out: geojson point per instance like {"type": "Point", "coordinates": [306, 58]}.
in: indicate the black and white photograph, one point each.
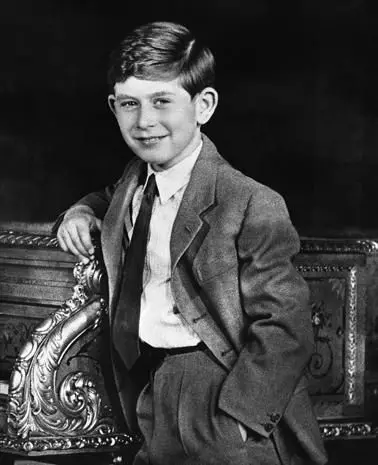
{"type": "Point", "coordinates": [188, 237]}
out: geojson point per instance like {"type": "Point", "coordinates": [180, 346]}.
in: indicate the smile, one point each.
{"type": "Point", "coordinates": [150, 140]}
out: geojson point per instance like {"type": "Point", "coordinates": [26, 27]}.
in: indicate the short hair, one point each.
{"type": "Point", "coordinates": [163, 51]}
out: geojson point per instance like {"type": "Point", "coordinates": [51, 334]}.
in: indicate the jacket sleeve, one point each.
{"type": "Point", "coordinates": [278, 335]}
{"type": "Point", "coordinates": [98, 202]}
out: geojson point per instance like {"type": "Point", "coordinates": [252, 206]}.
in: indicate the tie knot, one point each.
{"type": "Point", "coordinates": [151, 190]}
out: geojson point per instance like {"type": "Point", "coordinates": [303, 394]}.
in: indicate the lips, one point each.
{"type": "Point", "coordinates": [150, 140]}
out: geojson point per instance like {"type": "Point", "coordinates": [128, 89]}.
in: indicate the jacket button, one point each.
{"type": "Point", "coordinates": [268, 427]}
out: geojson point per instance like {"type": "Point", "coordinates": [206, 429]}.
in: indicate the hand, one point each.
{"type": "Point", "coordinates": [74, 233]}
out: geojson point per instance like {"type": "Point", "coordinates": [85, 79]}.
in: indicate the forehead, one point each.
{"type": "Point", "coordinates": [140, 88]}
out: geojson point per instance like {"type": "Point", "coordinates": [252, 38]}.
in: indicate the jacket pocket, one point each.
{"type": "Point", "coordinates": [205, 271]}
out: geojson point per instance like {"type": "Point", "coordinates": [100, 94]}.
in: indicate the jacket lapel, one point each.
{"type": "Point", "coordinates": [193, 221]}
{"type": "Point", "coordinates": [198, 199]}
{"type": "Point", "coordinates": [113, 231]}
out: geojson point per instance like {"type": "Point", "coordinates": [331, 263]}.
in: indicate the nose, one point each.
{"type": "Point", "coordinates": [146, 117]}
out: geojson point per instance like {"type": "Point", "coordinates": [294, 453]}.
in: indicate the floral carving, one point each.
{"type": "Point", "coordinates": [37, 406]}
{"type": "Point", "coordinates": [322, 357]}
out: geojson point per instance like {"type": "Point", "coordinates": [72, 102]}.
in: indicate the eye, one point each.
{"type": "Point", "coordinates": [161, 102]}
{"type": "Point", "coordinates": [128, 104]}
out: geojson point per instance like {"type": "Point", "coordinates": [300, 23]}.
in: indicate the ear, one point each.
{"type": "Point", "coordinates": [111, 103]}
{"type": "Point", "coordinates": [206, 103]}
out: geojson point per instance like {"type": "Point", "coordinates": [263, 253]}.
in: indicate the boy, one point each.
{"type": "Point", "coordinates": [202, 292]}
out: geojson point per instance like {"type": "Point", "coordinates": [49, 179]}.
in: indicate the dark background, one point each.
{"type": "Point", "coordinates": [298, 101]}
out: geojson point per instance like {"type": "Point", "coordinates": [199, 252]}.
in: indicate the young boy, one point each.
{"type": "Point", "coordinates": [209, 303]}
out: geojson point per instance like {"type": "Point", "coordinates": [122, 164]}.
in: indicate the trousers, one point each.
{"type": "Point", "coordinates": [182, 425]}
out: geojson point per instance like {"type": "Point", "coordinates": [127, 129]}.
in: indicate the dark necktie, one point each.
{"type": "Point", "coordinates": [126, 318]}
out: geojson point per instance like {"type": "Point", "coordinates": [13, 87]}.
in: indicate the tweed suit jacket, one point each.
{"type": "Point", "coordinates": [233, 282]}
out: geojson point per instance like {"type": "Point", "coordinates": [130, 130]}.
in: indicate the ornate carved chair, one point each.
{"type": "Point", "coordinates": [343, 372]}
{"type": "Point", "coordinates": [60, 389]}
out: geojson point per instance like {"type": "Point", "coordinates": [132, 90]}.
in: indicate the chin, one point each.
{"type": "Point", "coordinates": [152, 159]}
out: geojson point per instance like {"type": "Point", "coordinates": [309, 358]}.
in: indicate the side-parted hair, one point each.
{"type": "Point", "coordinates": [163, 51]}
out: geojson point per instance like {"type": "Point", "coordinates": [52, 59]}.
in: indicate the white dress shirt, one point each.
{"type": "Point", "coordinates": [160, 325]}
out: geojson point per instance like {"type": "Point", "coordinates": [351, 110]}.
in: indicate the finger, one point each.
{"type": "Point", "coordinates": [69, 244]}
{"type": "Point", "coordinates": [86, 239]}
{"type": "Point", "coordinates": [81, 240]}
{"type": "Point", "coordinates": [67, 237]}
{"type": "Point", "coordinates": [61, 241]}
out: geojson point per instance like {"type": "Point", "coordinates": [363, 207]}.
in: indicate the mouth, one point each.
{"type": "Point", "coordinates": [150, 140]}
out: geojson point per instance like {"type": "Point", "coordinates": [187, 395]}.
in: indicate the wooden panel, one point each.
{"type": "Point", "coordinates": [35, 279]}
{"type": "Point", "coordinates": [342, 277]}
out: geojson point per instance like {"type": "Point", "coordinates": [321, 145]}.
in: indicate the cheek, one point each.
{"type": "Point", "coordinates": [125, 123]}
{"type": "Point", "coordinates": [183, 122]}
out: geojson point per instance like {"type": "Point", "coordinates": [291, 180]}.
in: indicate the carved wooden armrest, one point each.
{"type": "Point", "coordinates": [58, 398]}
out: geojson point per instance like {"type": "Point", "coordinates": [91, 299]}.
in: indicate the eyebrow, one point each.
{"type": "Point", "coordinates": [161, 93]}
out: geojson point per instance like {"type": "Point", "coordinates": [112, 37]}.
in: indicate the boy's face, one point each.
{"type": "Point", "coordinates": [159, 120]}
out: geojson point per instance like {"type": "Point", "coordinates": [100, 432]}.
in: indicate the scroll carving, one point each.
{"type": "Point", "coordinates": [37, 405]}
{"type": "Point", "coordinates": [321, 360]}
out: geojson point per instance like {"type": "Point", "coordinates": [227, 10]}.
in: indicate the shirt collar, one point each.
{"type": "Point", "coordinates": [173, 179]}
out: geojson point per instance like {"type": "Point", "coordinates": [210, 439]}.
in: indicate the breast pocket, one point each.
{"type": "Point", "coordinates": [207, 270]}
